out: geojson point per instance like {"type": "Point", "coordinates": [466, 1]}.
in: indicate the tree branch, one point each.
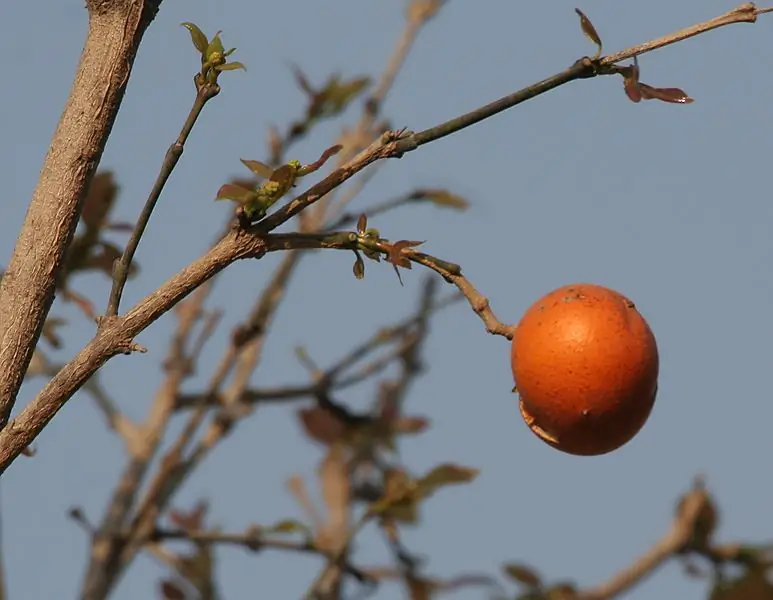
{"type": "Point", "coordinates": [27, 289]}
{"type": "Point", "coordinates": [116, 334]}
{"type": "Point", "coordinates": [673, 541]}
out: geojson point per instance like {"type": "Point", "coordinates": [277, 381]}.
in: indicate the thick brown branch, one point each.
{"type": "Point", "coordinates": [115, 337]}
{"type": "Point", "coordinates": [27, 289]}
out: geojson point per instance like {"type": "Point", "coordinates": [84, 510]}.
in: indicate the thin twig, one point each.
{"type": "Point", "coordinates": [335, 560]}
{"type": "Point", "coordinates": [332, 377]}
{"type": "Point", "coordinates": [251, 540]}
{"type": "Point", "coordinates": [745, 13]}
{"type": "Point", "coordinates": [121, 267]}
{"type": "Point", "coordinates": [106, 546]}
{"type": "Point", "coordinates": [449, 271]}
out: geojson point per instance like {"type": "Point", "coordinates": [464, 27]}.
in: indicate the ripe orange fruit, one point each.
{"type": "Point", "coordinates": [585, 365]}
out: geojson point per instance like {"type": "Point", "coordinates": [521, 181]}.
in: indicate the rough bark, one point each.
{"type": "Point", "coordinates": [28, 286]}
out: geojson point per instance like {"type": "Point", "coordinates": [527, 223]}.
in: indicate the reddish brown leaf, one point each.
{"type": "Point", "coordinates": [362, 224]}
{"type": "Point", "coordinates": [321, 425]}
{"type": "Point", "coordinates": [171, 591]}
{"type": "Point", "coordinates": [673, 95]}
{"type": "Point", "coordinates": [590, 31]}
{"type": "Point", "coordinates": [396, 257]}
{"type": "Point", "coordinates": [632, 90]}
{"type": "Point", "coordinates": [99, 200]}
{"type": "Point", "coordinates": [302, 81]}
{"type": "Point", "coordinates": [410, 425]}
{"type": "Point", "coordinates": [332, 151]}
{"type": "Point", "coordinates": [192, 520]}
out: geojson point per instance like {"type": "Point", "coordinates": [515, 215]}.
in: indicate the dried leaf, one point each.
{"type": "Point", "coordinates": [100, 199]}
{"type": "Point", "coordinates": [524, 575]}
{"type": "Point", "coordinates": [396, 257]}
{"type": "Point", "coordinates": [410, 425]}
{"type": "Point", "coordinates": [192, 520]}
{"type": "Point", "coordinates": [443, 475]}
{"type": "Point", "coordinates": [419, 588]}
{"type": "Point", "coordinates": [334, 480]}
{"type": "Point", "coordinates": [561, 591]}
{"type": "Point", "coordinates": [322, 425]}
{"type": "Point", "coordinates": [302, 81]}
{"type": "Point", "coordinates": [171, 591]}
{"type": "Point", "coordinates": [590, 31]}
{"type": "Point", "coordinates": [442, 198]}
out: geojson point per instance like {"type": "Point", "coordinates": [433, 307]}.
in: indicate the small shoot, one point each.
{"type": "Point", "coordinates": [590, 32]}
{"type": "Point", "coordinates": [372, 245]}
{"type": "Point", "coordinates": [214, 56]}
{"type": "Point", "coordinates": [256, 202]}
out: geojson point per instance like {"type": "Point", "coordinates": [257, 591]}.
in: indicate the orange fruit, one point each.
{"type": "Point", "coordinates": [585, 365]}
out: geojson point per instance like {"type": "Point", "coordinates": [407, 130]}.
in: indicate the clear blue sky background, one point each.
{"type": "Point", "coordinates": [669, 204]}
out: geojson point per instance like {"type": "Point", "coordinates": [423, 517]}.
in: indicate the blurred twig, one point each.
{"type": "Point", "coordinates": [334, 377]}
{"type": "Point", "coordinates": [677, 538]}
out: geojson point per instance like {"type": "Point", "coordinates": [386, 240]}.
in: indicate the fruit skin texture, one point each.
{"type": "Point", "coordinates": [585, 365]}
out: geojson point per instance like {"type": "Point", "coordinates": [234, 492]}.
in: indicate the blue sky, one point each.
{"type": "Point", "coordinates": [668, 204]}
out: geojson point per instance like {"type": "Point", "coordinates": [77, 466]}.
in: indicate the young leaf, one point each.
{"type": "Point", "coordinates": [590, 31]}
{"type": "Point", "coordinates": [362, 224]}
{"type": "Point", "coordinates": [396, 257]}
{"type": "Point", "coordinates": [359, 267]}
{"type": "Point", "coordinates": [197, 37]}
{"type": "Point", "coordinates": [673, 95]}
{"type": "Point", "coordinates": [232, 66]}
{"type": "Point", "coordinates": [229, 191]}
{"type": "Point", "coordinates": [215, 46]}
{"type": "Point", "coordinates": [638, 91]}
{"type": "Point", "coordinates": [317, 164]}
{"type": "Point", "coordinates": [288, 526]}
{"type": "Point", "coordinates": [258, 168]}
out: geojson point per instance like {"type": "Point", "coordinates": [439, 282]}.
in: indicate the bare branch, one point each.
{"type": "Point", "coordinates": [675, 539]}
{"type": "Point", "coordinates": [173, 154]}
{"type": "Point", "coordinates": [27, 288]}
